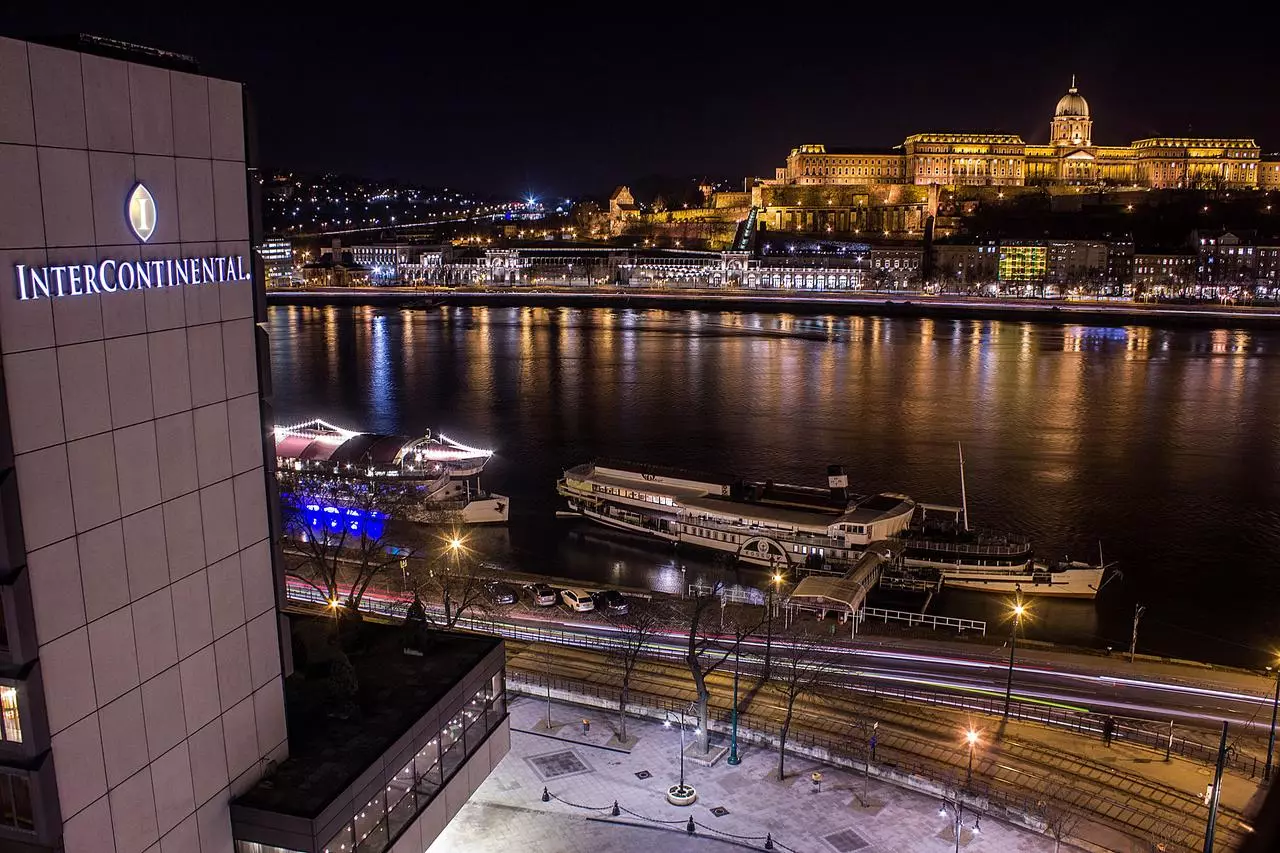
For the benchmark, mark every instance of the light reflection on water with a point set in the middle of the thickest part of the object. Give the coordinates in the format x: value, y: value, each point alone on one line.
x: 1163, y: 444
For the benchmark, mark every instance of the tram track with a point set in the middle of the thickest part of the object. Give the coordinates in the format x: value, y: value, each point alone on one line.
x: 1011, y: 767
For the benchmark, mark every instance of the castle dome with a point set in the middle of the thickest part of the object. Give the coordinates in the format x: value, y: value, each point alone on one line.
x: 1072, y: 103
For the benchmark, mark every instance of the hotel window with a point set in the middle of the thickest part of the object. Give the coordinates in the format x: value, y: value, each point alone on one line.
x: 15, y: 802
x: 10, y: 722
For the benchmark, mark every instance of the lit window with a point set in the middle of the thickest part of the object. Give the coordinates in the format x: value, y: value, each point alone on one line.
x: 12, y: 727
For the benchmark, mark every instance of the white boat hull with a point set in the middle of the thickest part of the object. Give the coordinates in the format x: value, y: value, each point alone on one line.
x: 1069, y: 583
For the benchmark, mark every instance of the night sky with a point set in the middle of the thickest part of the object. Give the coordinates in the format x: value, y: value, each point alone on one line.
x: 558, y: 103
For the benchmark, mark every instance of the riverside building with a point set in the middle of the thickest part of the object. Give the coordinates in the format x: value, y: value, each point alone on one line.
x: 144, y: 695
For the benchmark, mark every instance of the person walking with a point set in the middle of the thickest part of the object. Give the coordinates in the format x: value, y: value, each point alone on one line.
x: 1108, y: 729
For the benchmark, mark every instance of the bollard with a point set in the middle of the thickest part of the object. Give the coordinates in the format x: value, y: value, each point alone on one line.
x: 689, y: 826
x: 615, y: 809
x: 768, y: 841
x: 546, y: 795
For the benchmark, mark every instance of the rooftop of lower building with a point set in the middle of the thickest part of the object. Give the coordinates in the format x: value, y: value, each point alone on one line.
x: 330, y: 746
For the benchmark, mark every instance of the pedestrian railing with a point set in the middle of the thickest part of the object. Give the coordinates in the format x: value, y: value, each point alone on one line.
x: 932, y: 621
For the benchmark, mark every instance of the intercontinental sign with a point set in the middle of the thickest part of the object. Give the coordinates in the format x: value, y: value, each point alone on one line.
x: 111, y: 275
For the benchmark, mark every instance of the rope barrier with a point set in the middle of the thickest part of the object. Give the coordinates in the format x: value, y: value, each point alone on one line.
x: 690, y: 825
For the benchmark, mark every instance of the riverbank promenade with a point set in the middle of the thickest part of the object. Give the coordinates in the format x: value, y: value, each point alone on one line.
x: 894, y: 303
x: 585, y: 773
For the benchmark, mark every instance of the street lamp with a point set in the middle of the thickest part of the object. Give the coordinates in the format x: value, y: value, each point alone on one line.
x: 734, y: 760
x: 681, y: 794
x: 957, y: 813
x: 1271, y: 741
x: 1018, y: 611
x: 775, y: 580
x: 972, y: 737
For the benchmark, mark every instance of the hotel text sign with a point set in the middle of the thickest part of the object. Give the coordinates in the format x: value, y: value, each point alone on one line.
x: 111, y: 275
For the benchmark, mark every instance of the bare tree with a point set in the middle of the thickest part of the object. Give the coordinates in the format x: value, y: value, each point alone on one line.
x: 706, y: 652
x: 451, y: 577
x: 636, y: 629
x: 339, y: 550
x: 802, y: 666
x: 1059, y: 822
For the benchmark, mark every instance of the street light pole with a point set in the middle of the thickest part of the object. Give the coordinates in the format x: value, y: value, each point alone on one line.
x: 1013, y: 647
x: 972, y: 737
x: 1271, y: 741
x: 733, y: 758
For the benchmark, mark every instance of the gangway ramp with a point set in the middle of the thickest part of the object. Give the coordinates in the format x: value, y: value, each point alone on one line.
x: 846, y: 595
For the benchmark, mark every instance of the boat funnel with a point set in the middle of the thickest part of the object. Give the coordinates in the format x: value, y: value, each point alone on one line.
x: 838, y: 482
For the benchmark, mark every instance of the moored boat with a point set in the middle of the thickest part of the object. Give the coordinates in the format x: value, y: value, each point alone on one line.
x: 434, y: 478
x: 808, y: 529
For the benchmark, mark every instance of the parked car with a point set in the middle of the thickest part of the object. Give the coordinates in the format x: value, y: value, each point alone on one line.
x: 577, y: 599
x: 611, y: 601
x: 500, y: 593
x: 542, y: 595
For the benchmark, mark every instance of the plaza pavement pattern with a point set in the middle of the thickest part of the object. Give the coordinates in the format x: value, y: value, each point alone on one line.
x: 507, y: 812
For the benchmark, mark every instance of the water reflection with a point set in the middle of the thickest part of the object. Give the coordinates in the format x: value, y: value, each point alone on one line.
x: 1161, y: 443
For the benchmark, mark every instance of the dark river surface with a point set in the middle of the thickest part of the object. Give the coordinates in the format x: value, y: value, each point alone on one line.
x: 1162, y: 444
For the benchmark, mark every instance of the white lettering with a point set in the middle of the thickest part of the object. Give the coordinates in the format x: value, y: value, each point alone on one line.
x: 112, y: 275
x: 39, y: 284
x: 109, y: 287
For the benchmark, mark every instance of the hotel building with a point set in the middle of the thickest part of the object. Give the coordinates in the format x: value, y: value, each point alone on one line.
x: 143, y: 689
x: 1069, y: 158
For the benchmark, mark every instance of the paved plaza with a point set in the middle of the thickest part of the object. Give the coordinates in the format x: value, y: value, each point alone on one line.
x: 585, y: 773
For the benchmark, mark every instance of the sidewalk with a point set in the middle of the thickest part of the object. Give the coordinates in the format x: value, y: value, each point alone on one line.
x: 507, y: 812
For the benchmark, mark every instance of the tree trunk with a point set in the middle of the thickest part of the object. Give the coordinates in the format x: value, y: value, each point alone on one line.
x: 704, y: 737
x: 782, y: 747
x: 622, y: 710
x: 700, y: 684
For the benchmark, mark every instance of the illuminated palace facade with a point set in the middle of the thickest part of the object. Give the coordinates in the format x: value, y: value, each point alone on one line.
x: 1070, y: 158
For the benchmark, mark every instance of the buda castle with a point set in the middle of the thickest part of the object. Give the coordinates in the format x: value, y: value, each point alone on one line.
x: 1070, y: 158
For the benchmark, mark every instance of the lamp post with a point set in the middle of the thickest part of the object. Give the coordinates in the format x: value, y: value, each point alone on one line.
x: 1018, y: 610
x: 774, y: 580
x: 972, y: 737
x: 1271, y: 741
x: 681, y: 794
x: 733, y: 758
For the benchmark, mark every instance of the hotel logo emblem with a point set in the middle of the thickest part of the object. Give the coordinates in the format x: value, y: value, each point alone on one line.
x: 142, y: 212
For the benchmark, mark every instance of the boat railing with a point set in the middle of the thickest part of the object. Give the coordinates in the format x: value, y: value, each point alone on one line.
x: 967, y: 547
x: 786, y: 533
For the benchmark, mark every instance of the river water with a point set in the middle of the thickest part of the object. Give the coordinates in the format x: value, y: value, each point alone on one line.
x: 1162, y: 444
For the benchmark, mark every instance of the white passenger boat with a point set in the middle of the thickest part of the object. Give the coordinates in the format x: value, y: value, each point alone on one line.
x: 784, y: 527
x: 764, y: 523
x: 439, y: 476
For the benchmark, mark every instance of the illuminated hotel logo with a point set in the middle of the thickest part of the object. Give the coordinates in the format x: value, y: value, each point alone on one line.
x: 110, y: 275
x: 142, y: 212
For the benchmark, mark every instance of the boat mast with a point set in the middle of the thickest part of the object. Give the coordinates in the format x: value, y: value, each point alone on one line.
x: 964, y: 501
